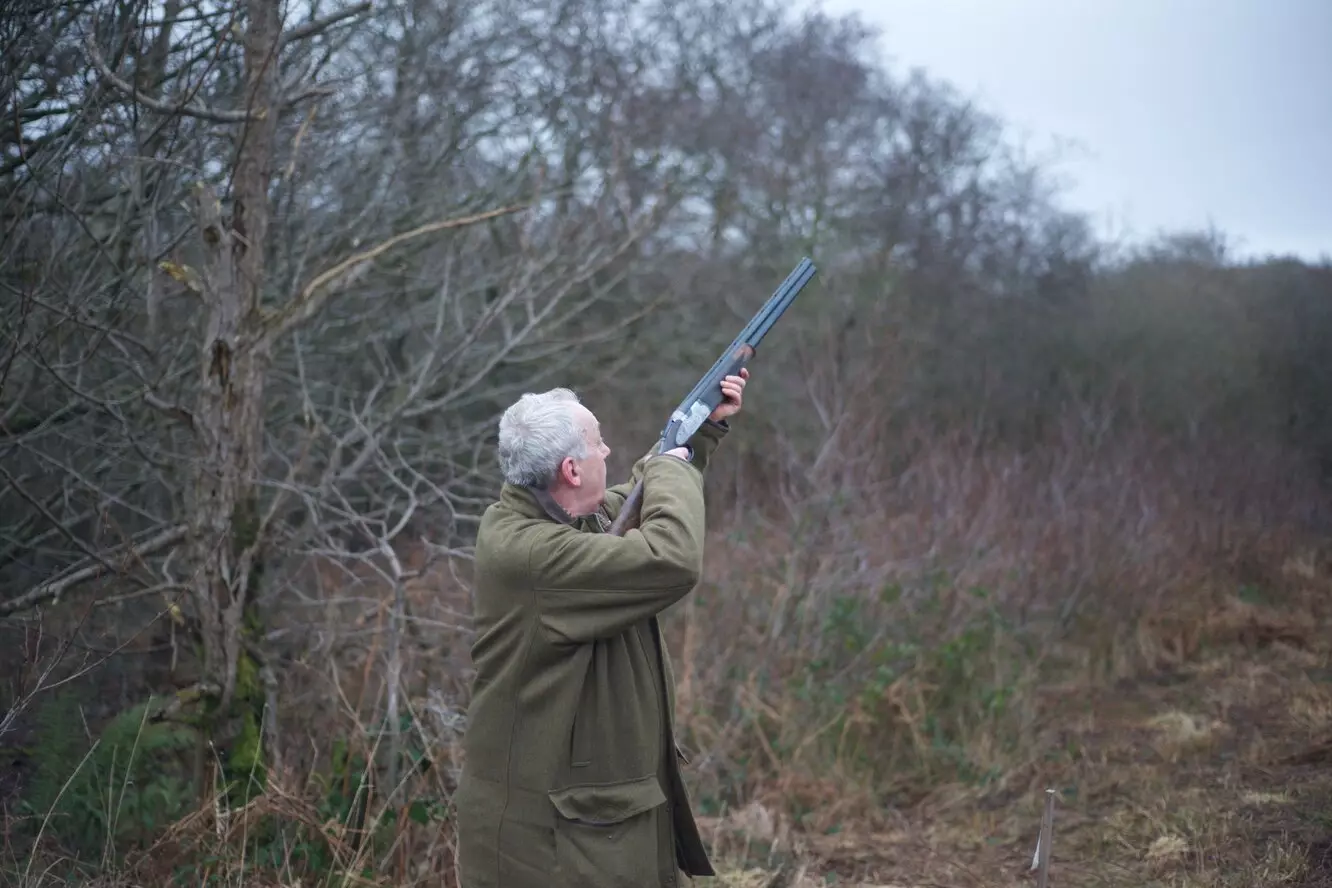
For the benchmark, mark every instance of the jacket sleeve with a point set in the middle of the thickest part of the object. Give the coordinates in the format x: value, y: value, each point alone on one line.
x: 704, y: 444
x: 594, y: 585
x: 706, y: 440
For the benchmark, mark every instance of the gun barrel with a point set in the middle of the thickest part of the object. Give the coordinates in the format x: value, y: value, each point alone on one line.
x: 758, y: 325
x: 774, y: 307
x: 781, y: 301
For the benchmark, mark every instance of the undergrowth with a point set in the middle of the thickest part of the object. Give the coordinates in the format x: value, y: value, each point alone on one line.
x: 878, y: 645
x: 100, y: 797
x: 122, y: 808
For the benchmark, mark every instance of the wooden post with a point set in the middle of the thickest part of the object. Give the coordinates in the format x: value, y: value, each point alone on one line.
x: 1040, y: 861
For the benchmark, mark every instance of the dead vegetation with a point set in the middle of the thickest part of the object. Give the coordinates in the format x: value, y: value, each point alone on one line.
x: 1197, y: 776
x: 893, y: 722
x: 901, y: 730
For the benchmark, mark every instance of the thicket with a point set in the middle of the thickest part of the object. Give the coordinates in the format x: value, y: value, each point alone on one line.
x: 268, y: 283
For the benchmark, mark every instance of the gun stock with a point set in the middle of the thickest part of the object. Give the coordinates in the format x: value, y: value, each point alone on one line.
x: 629, y: 512
x: 706, y: 395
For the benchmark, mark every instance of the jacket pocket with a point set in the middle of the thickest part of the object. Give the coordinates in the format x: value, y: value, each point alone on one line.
x: 606, y: 833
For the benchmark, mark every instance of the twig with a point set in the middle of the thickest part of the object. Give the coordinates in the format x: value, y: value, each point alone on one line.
x: 24, y: 700
x: 312, y: 28
x: 175, y: 411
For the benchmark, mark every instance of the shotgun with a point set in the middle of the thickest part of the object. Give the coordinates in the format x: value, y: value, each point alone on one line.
x: 688, y: 417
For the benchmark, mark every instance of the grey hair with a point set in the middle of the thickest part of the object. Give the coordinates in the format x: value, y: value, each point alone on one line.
x: 536, y: 434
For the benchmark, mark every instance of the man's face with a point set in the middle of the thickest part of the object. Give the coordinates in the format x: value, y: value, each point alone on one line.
x: 592, y: 470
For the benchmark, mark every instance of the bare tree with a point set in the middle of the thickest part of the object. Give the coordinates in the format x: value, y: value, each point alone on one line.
x: 201, y: 397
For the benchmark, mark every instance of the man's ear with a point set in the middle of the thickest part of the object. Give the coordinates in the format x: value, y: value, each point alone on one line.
x: 569, y: 472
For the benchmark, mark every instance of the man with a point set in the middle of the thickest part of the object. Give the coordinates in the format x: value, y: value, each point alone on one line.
x: 572, y: 774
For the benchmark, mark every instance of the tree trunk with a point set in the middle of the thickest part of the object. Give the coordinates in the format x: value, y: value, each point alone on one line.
x: 225, y: 514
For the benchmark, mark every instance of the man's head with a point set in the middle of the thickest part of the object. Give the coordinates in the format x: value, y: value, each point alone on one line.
x: 551, y: 441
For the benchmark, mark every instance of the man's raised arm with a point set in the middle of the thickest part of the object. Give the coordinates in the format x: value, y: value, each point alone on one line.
x: 703, y: 444
x: 595, y: 585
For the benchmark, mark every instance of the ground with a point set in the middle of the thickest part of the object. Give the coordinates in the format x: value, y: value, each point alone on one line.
x: 1212, y: 770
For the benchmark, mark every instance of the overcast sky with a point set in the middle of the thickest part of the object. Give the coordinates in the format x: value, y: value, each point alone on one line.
x: 1180, y: 113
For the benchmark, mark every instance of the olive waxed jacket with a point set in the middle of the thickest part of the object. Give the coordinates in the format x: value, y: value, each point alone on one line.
x: 571, y: 773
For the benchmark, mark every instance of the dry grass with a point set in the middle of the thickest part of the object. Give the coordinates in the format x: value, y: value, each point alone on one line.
x: 1186, y: 782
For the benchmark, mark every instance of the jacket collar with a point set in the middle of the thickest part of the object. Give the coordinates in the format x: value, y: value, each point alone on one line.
x: 533, y: 502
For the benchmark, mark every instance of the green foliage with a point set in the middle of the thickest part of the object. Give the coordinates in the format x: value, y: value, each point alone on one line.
x: 973, y: 674
x: 99, y: 798
x: 245, y: 771
x: 112, y: 793
x: 918, y: 681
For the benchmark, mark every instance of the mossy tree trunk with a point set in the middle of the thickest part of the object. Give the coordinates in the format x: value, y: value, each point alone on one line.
x: 226, y: 526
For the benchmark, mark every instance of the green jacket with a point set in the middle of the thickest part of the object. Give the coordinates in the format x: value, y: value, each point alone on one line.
x: 572, y: 774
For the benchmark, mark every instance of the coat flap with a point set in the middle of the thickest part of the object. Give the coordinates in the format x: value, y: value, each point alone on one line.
x: 608, y: 802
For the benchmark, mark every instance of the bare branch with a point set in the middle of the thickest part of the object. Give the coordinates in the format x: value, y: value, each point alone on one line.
x: 92, y: 569
x: 319, y: 290
x: 318, y: 26
x: 187, y: 108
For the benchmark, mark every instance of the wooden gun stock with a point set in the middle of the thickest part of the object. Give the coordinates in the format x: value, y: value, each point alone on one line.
x: 628, y: 517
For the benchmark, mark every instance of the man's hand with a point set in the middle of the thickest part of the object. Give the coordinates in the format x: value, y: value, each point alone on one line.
x: 733, y: 393
x: 678, y: 453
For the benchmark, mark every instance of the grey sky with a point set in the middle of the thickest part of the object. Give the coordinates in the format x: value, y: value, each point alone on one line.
x: 1173, y: 113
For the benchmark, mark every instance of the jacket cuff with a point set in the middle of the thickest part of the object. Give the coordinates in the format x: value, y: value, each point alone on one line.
x: 705, y: 441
